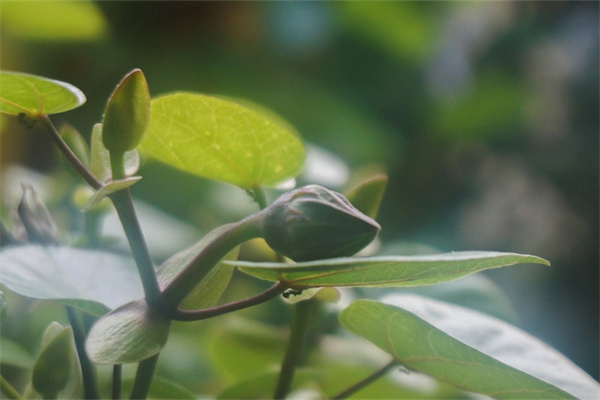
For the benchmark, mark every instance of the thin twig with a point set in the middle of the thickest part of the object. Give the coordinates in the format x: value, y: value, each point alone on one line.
x: 196, y: 315
x: 294, y: 348
x: 88, y: 371
x: 365, y: 382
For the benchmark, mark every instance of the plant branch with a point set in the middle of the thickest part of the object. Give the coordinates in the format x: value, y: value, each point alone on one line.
x: 124, y: 205
x: 229, y: 237
x: 143, y: 378
x: 88, y: 371
x: 196, y: 315
x: 85, y: 173
x: 294, y: 348
x: 8, y: 390
x: 258, y: 194
x: 365, y: 382
x: 116, y: 383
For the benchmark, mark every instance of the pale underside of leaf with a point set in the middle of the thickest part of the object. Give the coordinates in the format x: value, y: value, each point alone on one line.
x: 422, y: 347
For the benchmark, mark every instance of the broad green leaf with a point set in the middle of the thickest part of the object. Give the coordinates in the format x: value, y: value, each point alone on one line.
x: 468, y: 349
x: 131, y: 333
x: 56, y: 369
x: 221, y: 140
x: 36, y: 96
x: 209, y: 290
x: 12, y: 353
x: 127, y: 114
x: 262, y: 385
x: 92, y: 280
x: 110, y: 188
x: 367, y: 195
x: 100, y: 158
x: 384, y: 271
x: 242, y: 347
x: 53, y: 20
x: 162, y: 389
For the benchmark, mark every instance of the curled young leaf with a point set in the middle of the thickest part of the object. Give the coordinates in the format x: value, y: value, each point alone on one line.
x: 127, y: 114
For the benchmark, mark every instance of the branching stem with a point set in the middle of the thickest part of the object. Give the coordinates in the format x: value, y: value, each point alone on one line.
x: 229, y: 237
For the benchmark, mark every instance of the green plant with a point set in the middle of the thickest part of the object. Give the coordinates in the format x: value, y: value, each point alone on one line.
x: 116, y: 321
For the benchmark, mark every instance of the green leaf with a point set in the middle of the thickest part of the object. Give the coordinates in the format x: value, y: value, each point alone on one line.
x: 91, y: 280
x: 162, y: 389
x: 384, y: 271
x: 36, y: 96
x: 76, y: 142
x: 109, y: 188
x: 127, y: 114
x: 242, y: 347
x: 12, y: 353
x: 53, y: 20
x: 221, y: 140
x: 262, y: 385
x: 367, y: 195
x: 100, y: 158
x: 131, y: 333
x: 470, y: 350
x: 209, y: 290
x: 55, y: 369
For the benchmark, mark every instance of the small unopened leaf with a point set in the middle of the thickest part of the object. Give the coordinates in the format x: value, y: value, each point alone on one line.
x: 127, y: 114
x: 55, y: 369
x: 209, y: 290
x: 130, y: 333
x: 470, y: 350
x: 221, y: 140
x: 36, y: 96
x: 383, y: 271
x: 76, y: 143
x: 367, y: 195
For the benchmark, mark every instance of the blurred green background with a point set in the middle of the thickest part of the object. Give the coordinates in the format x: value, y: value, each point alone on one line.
x: 485, y: 115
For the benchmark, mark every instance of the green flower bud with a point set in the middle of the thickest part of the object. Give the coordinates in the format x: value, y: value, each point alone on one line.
x: 36, y: 218
x: 312, y: 223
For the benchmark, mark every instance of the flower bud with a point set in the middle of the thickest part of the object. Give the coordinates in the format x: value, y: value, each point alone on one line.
x: 312, y: 223
x: 36, y: 218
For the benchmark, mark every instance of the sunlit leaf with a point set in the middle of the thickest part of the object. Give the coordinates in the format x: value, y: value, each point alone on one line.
x: 209, y: 290
x: 384, y: 271
x: 53, y: 20
x: 36, y: 96
x: 367, y: 195
x: 221, y: 140
x: 92, y: 280
x: 468, y: 349
x: 131, y: 333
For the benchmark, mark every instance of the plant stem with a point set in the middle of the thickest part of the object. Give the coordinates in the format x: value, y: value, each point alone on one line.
x: 124, y: 205
x: 143, y: 378
x: 88, y: 371
x: 230, y: 236
x: 294, y: 348
x: 365, y: 382
x: 116, y: 383
x: 196, y: 315
x: 8, y: 390
x: 259, y: 196
x: 85, y: 173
